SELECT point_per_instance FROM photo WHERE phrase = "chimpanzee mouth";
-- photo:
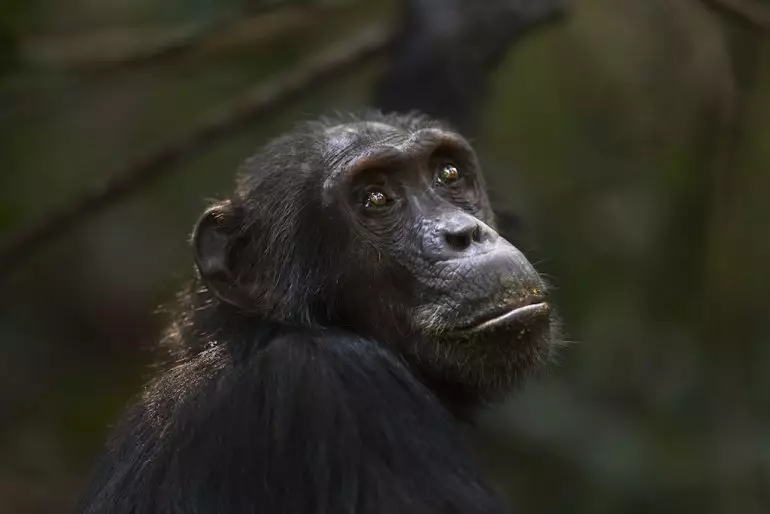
(532, 310)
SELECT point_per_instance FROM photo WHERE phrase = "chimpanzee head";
(380, 225)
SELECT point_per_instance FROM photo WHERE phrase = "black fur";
(302, 380)
(298, 421)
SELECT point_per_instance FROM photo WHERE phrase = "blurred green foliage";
(634, 139)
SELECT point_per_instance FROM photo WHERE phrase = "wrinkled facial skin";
(416, 202)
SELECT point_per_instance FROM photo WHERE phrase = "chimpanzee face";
(385, 229)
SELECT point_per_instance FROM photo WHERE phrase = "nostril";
(476, 234)
(459, 241)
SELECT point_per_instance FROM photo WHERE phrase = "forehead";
(352, 147)
(364, 134)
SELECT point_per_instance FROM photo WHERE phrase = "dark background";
(632, 138)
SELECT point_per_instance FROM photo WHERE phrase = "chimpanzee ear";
(213, 241)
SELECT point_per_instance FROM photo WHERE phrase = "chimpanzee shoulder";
(307, 421)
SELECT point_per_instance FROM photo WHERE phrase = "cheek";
(387, 253)
(386, 258)
(376, 292)
(384, 232)
(375, 247)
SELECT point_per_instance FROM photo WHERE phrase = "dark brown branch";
(264, 100)
(131, 47)
(751, 11)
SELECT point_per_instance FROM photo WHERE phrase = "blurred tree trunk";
(735, 264)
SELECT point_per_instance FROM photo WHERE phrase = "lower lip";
(521, 314)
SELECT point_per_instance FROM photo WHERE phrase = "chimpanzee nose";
(464, 234)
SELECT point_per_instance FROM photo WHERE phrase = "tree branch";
(265, 99)
(113, 48)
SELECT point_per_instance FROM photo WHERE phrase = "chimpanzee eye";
(375, 199)
(448, 174)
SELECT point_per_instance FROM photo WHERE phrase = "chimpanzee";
(353, 305)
